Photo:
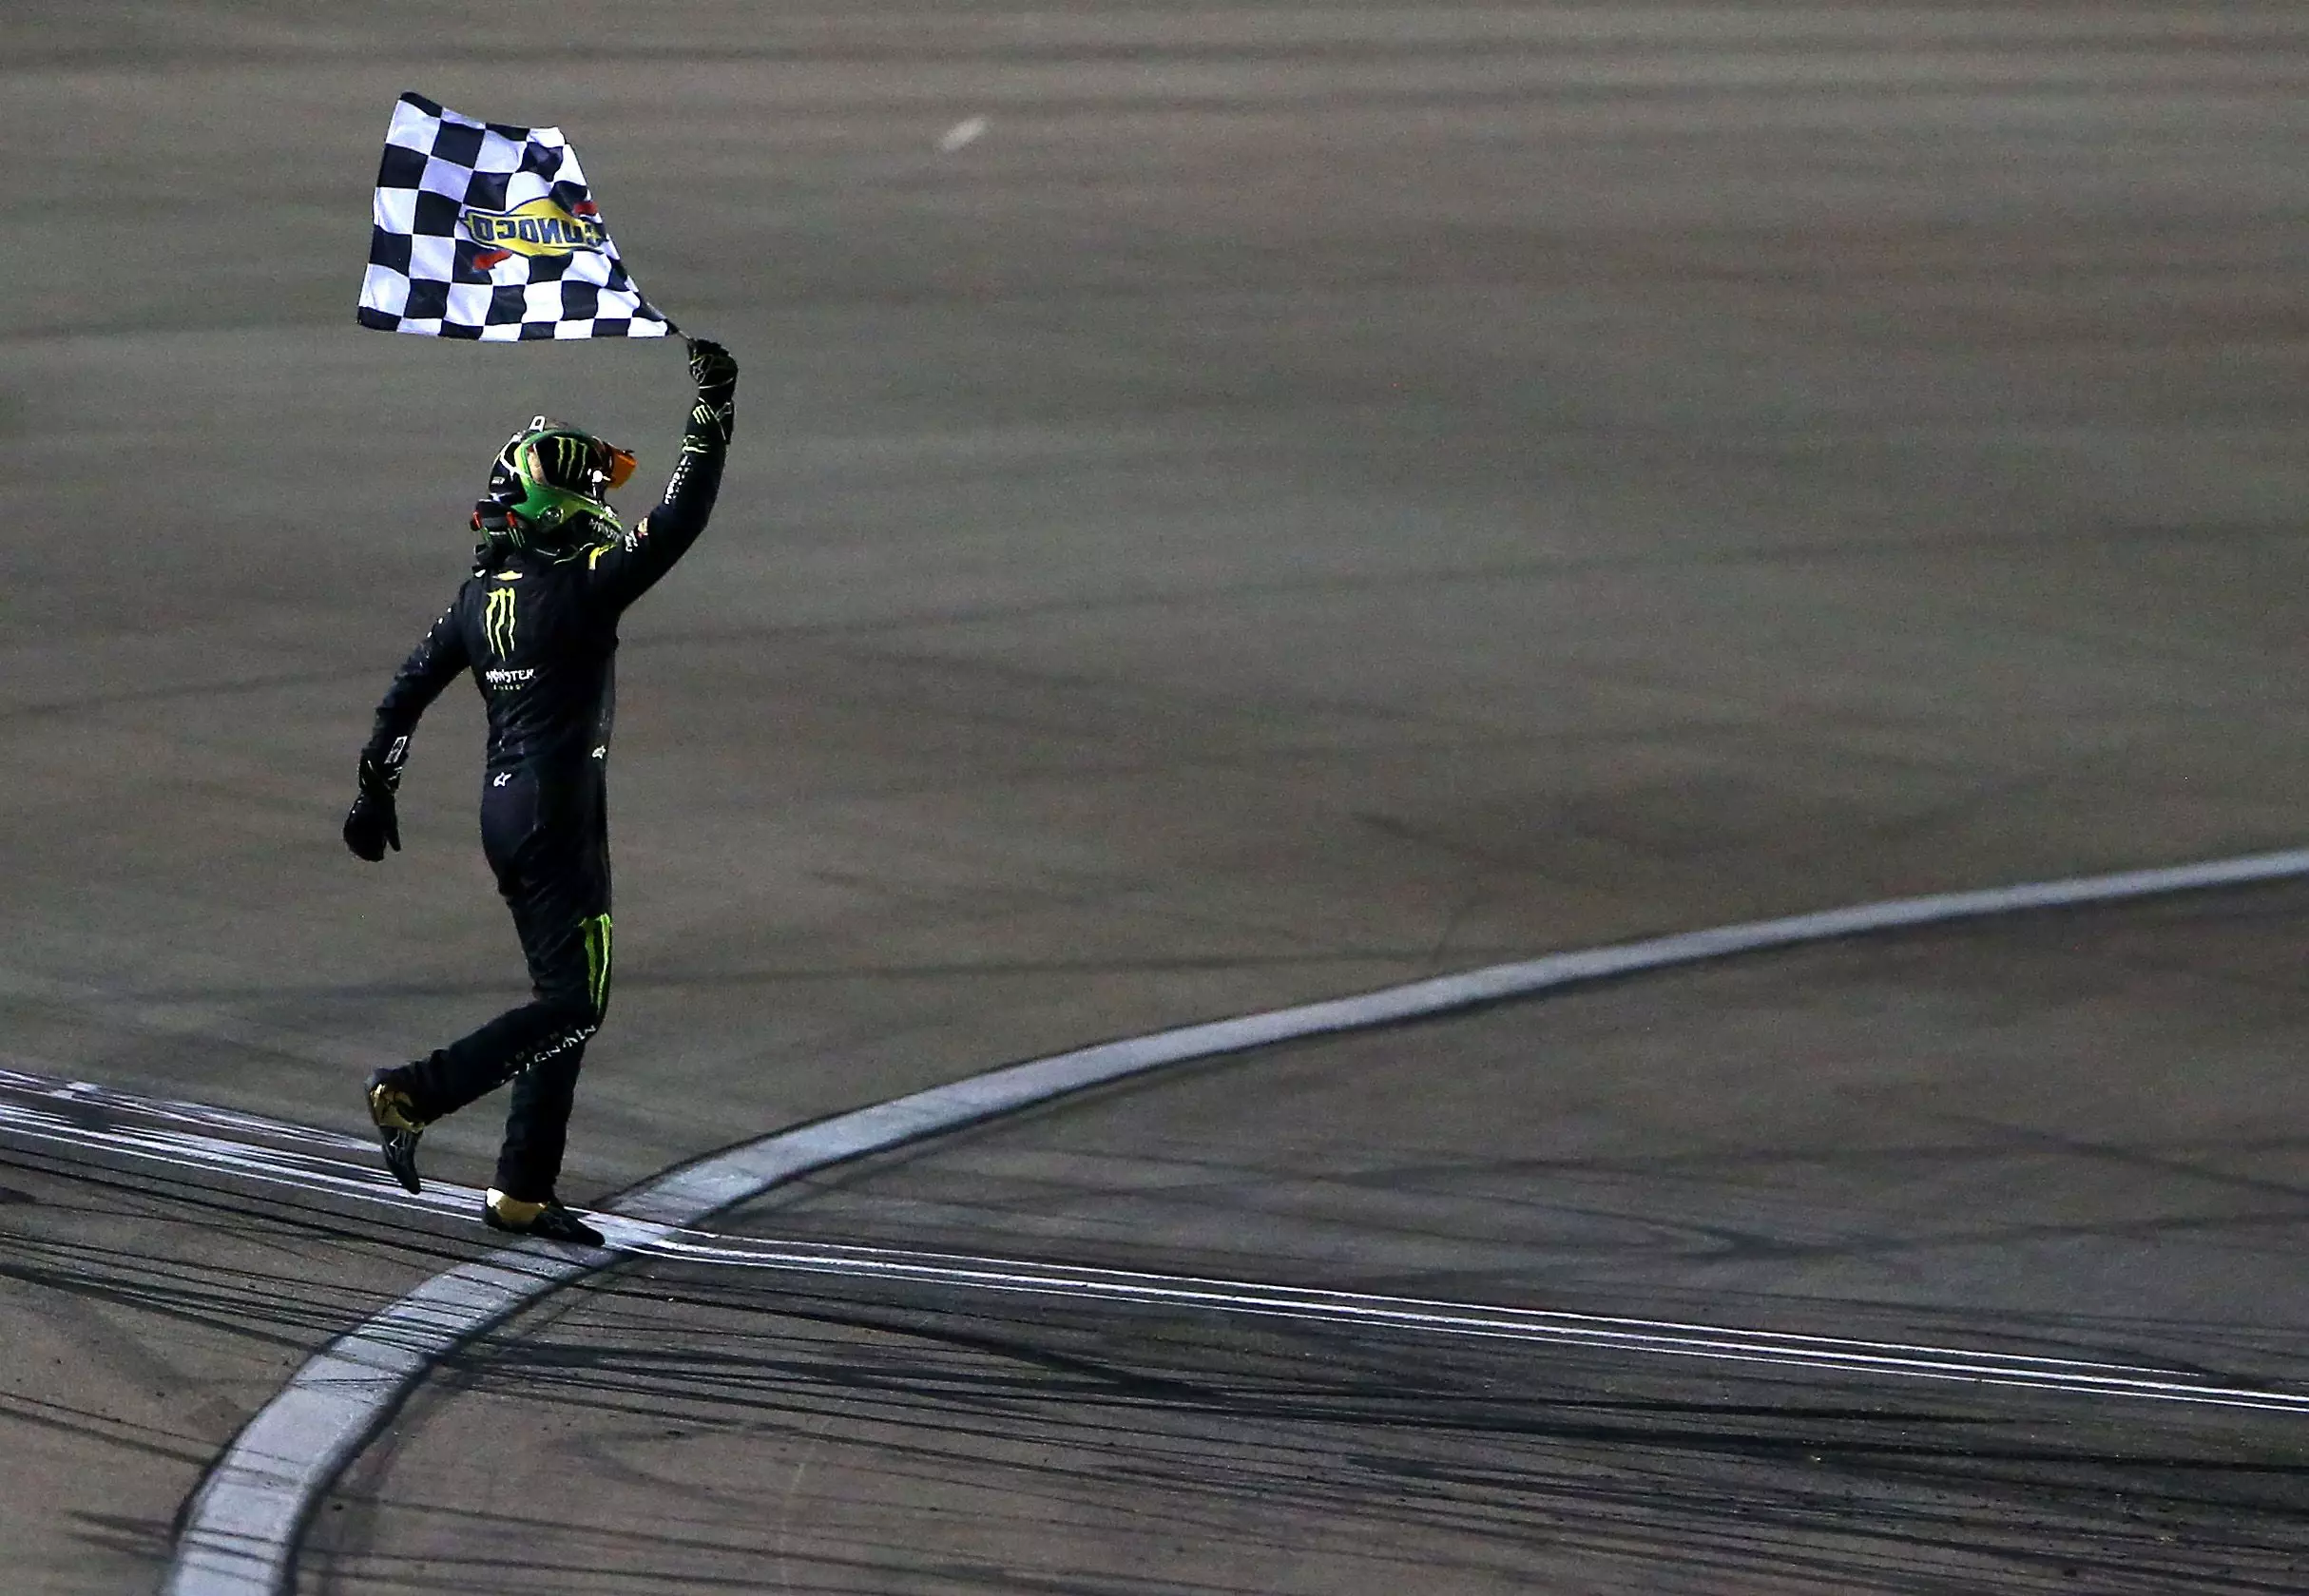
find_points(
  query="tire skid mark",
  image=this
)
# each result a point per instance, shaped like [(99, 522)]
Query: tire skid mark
[(242, 1524)]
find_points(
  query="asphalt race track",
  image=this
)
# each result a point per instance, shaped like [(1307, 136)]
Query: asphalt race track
[(1307, 499)]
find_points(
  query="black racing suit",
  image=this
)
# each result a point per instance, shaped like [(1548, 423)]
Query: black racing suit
[(539, 633)]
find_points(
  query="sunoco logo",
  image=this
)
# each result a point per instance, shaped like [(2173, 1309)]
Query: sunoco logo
[(540, 227)]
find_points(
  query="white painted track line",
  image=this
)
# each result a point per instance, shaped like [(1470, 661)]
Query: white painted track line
[(1638, 1336), (241, 1526), (41, 1108), (21, 1115)]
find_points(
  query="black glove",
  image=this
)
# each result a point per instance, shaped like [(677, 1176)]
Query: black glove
[(372, 826), (716, 374)]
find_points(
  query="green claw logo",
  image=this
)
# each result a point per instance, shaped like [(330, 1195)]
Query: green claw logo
[(497, 622), (598, 945)]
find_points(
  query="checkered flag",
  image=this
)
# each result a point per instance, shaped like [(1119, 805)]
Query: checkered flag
[(488, 230)]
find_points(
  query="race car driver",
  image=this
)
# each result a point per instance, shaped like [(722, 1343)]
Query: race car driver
[(536, 625)]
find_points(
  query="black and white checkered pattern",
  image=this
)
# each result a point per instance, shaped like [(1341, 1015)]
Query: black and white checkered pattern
[(446, 176)]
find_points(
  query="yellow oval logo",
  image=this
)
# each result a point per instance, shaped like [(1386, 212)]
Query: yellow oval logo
[(540, 227)]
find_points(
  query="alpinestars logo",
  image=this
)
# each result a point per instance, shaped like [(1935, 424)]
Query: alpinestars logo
[(497, 622), (553, 1047)]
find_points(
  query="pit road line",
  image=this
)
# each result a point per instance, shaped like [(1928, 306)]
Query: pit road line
[(242, 1524)]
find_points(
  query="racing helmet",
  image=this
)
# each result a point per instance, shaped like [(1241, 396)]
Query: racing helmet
[(548, 487)]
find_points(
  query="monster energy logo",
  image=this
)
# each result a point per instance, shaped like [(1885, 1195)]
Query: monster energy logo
[(597, 962), (570, 457), (498, 623)]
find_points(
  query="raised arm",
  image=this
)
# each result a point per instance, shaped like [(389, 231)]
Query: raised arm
[(433, 664), (622, 572)]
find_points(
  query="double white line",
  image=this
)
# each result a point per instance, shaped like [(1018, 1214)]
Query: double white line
[(185, 1135)]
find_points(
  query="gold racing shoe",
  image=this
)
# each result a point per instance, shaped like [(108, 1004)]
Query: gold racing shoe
[(394, 1113), (548, 1220)]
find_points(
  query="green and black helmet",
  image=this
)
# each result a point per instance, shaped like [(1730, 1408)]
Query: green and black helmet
[(548, 488)]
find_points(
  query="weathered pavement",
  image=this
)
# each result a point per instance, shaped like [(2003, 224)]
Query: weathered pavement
[(1309, 498)]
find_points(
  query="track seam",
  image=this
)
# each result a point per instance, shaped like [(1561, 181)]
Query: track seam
[(241, 1526)]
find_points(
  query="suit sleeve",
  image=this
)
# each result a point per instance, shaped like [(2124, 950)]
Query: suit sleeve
[(620, 572), (437, 659)]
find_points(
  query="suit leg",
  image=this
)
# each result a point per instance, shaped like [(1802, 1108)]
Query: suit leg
[(537, 1120), (573, 957), (546, 870)]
